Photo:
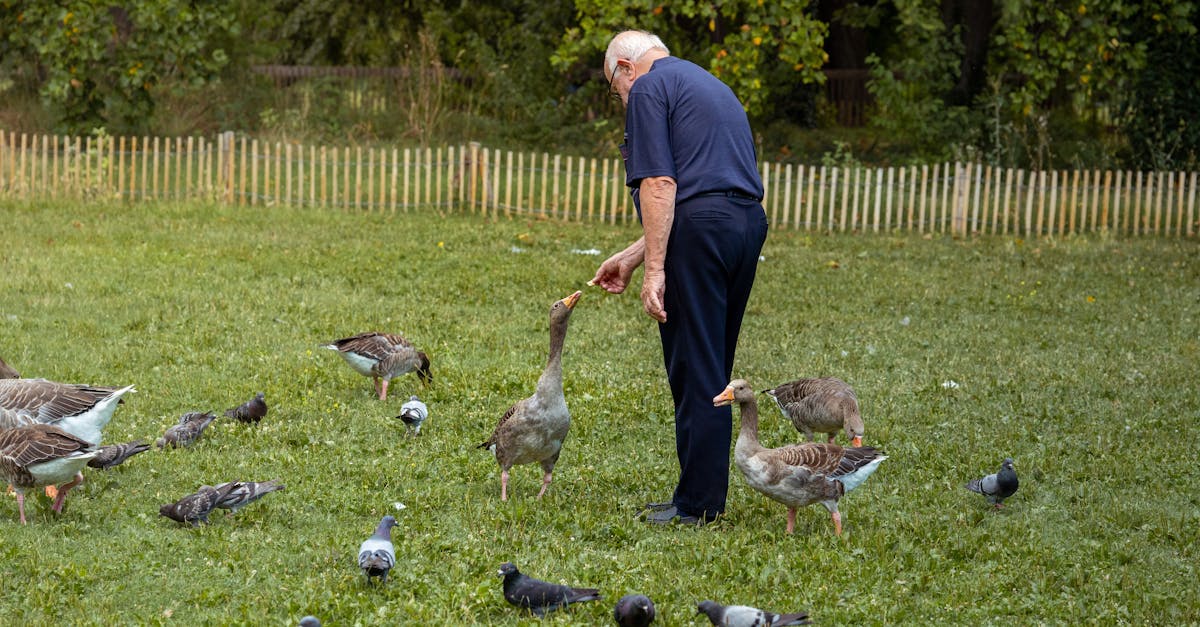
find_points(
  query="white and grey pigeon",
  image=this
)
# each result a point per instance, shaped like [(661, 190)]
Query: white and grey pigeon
[(634, 610), (746, 616), (376, 555), (413, 413), (997, 486), (187, 431), (539, 596), (238, 494)]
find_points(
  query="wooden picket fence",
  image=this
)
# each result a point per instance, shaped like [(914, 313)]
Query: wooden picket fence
[(955, 198)]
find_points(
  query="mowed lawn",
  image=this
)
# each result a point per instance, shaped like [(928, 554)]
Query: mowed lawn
[(1079, 358)]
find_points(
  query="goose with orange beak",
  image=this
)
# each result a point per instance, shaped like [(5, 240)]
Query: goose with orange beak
[(533, 429), (796, 475)]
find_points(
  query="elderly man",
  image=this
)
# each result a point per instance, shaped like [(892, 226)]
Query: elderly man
[(691, 168)]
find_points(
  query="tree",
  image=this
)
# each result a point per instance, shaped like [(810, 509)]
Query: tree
[(741, 41), (96, 64)]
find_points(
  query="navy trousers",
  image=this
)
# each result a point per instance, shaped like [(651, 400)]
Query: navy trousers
[(712, 255)]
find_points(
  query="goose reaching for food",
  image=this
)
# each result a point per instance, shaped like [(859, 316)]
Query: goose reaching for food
[(822, 405), (382, 356), (798, 474), (533, 429)]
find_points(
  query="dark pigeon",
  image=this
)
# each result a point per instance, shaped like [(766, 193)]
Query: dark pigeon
[(239, 494), (310, 621), (999, 486), (187, 431), (413, 413), (116, 454), (7, 372), (746, 616), (193, 508), (634, 610), (538, 596), (376, 555), (251, 411)]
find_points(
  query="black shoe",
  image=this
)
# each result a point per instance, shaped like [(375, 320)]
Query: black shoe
[(672, 515), (657, 507)]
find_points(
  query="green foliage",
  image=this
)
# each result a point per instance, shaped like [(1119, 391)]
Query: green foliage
[(1160, 111), (746, 40), (102, 63), (1077, 357)]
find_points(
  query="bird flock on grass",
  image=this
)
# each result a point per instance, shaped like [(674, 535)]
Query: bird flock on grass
[(50, 431)]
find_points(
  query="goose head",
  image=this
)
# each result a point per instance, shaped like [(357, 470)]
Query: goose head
[(738, 391), (560, 311)]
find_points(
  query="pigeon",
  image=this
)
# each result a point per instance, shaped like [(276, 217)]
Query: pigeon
[(413, 413), (116, 454), (7, 372), (376, 555), (999, 486), (187, 431), (251, 411), (193, 508), (238, 494), (746, 616), (310, 621), (539, 596), (634, 610)]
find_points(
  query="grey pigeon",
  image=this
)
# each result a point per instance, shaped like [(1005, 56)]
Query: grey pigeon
[(7, 372), (634, 610), (187, 431), (251, 411), (746, 616), (310, 621), (238, 494), (413, 413), (116, 454), (539, 596), (193, 508), (376, 555), (999, 486)]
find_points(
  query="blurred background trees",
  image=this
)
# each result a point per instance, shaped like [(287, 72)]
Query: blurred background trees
[(1060, 83)]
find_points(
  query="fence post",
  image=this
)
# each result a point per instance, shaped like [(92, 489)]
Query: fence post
[(225, 169)]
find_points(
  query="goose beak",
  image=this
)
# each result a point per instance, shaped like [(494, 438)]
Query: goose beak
[(572, 299), (724, 398), (857, 441)]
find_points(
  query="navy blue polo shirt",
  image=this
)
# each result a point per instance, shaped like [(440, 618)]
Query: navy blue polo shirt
[(684, 123)]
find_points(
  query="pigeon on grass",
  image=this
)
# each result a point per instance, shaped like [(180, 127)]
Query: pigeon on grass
[(413, 413), (997, 486), (539, 596), (238, 494), (376, 555), (194, 508), (746, 616), (310, 621), (634, 610), (187, 431), (116, 454), (251, 411)]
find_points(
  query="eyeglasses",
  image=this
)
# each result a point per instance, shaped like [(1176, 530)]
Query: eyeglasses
[(612, 83)]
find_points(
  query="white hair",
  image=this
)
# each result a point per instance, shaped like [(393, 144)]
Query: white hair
[(631, 45)]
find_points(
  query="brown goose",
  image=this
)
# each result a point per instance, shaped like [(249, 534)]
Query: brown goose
[(382, 356), (43, 455), (823, 405), (533, 429), (797, 474), (81, 410), (7, 372)]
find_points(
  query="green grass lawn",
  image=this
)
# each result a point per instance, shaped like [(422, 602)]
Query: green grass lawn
[(1080, 358)]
